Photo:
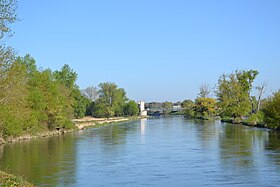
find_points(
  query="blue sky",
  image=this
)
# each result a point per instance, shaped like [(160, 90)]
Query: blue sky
[(156, 50)]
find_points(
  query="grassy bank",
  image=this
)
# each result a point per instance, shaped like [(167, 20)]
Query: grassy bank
[(245, 122), (11, 180), (79, 124), (42, 134)]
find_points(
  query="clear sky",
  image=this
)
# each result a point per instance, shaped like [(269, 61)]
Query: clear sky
[(156, 50)]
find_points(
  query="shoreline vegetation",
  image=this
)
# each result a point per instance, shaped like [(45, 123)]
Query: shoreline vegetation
[(79, 124), (237, 101), (7, 179)]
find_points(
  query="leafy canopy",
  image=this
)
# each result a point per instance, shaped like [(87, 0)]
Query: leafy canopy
[(234, 93)]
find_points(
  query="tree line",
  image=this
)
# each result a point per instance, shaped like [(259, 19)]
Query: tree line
[(234, 101), (107, 100), (32, 99)]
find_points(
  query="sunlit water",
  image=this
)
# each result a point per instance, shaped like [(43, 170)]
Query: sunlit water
[(170, 151)]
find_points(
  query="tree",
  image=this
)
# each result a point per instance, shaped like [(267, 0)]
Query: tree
[(91, 92), (205, 108), (101, 109), (131, 108), (30, 64), (234, 93), (111, 101), (113, 96), (246, 79), (204, 91), (14, 111), (80, 102), (7, 57), (107, 92), (188, 108), (271, 111), (167, 105), (67, 77), (261, 90), (49, 100), (7, 16)]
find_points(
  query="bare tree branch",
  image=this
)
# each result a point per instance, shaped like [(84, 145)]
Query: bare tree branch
[(91, 93), (261, 90), (204, 90)]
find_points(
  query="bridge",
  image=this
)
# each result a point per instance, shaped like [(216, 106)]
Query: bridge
[(158, 111)]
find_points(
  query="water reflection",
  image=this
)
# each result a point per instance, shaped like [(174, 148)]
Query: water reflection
[(207, 131), (237, 145), (272, 145), (42, 161), (151, 152), (143, 123)]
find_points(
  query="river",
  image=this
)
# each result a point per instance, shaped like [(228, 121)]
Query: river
[(167, 151)]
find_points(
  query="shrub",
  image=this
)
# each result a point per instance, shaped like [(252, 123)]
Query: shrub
[(271, 111), (255, 119)]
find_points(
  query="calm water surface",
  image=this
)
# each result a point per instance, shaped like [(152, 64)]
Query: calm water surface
[(156, 152)]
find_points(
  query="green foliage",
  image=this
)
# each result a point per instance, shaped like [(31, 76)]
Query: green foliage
[(67, 77), (11, 180), (7, 16), (80, 103), (49, 100), (205, 108), (32, 100), (167, 105), (271, 110), (102, 110), (187, 103), (234, 93), (188, 108), (131, 108), (90, 108), (256, 118), (13, 95), (111, 101)]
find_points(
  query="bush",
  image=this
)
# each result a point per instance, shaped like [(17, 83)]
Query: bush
[(131, 108), (11, 180), (271, 111), (255, 119)]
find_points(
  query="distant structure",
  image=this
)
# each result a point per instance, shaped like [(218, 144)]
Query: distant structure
[(176, 107), (141, 105)]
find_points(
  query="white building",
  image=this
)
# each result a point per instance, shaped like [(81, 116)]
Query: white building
[(141, 105)]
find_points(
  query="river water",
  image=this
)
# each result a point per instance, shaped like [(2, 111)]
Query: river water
[(170, 151)]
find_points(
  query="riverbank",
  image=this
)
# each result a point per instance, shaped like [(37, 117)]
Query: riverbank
[(246, 123), (241, 122), (79, 124), (11, 180), (35, 136), (92, 121)]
